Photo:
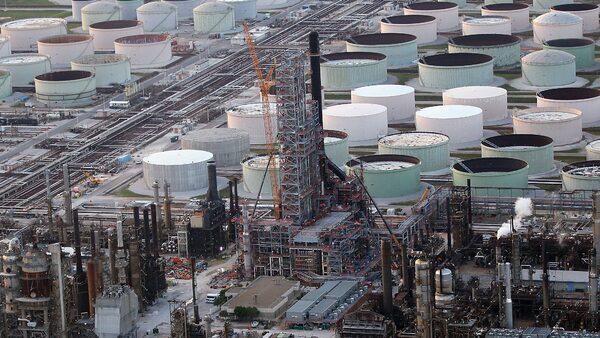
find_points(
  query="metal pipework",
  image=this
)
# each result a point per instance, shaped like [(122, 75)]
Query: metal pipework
[(315, 72), (516, 258), (155, 188), (167, 202), (545, 285), (68, 204), (91, 279), (49, 197), (147, 244), (593, 283), (596, 229), (56, 252), (424, 299), (155, 235), (247, 248), (508, 309), (386, 277)]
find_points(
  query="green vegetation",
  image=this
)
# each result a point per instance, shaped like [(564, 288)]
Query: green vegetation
[(29, 3), (466, 156), (224, 193), (403, 77), (221, 299), (71, 26), (125, 192), (15, 15), (245, 313), (569, 159), (337, 96)]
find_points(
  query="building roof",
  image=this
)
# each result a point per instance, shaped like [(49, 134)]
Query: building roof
[(317, 294), (323, 307), (557, 18), (548, 57), (263, 292), (342, 289), (301, 306)]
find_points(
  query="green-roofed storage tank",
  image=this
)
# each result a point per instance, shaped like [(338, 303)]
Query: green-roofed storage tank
[(536, 150), (387, 176), (488, 176)]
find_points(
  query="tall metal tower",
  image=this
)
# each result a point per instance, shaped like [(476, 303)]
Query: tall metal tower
[(299, 133)]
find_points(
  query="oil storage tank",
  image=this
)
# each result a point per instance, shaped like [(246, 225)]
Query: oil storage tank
[(592, 151), (158, 16), (583, 175), (336, 147), (429, 147), (400, 49), (548, 68), (76, 6), (505, 49), (253, 172), (250, 118), (517, 12), (184, 170), (349, 70), (586, 100), (536, 150), (545, 5), (99, 11), (489, 175), (229, 146), (587, 12), (66, 88), (5, 48), (424, 27), (214, 17), (128, 8), (462, 124), (387, 176), (493, 101), (563, 125), (364, 123), (185, 8), (109, 69), (399, 100), (24, 67), (25, 33), (242, 9), (62, 49), (450, 70), (146, 50), (5, 84), (105, 33), (486, 24), (446, 13), (583, 49), (557, 25)]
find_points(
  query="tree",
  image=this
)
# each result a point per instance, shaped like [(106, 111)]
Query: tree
[(221, 299), (244, 313)]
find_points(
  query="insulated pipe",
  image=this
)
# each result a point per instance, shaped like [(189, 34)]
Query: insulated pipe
[(386, 277)]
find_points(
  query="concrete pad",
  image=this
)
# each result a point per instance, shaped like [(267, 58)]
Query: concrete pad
[(520, 84)]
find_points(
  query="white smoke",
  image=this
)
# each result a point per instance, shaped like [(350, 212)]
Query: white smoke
[(523, 208)]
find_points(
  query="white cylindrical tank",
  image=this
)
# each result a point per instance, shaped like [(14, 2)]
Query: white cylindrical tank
[(400, 49), (183, 170), (450, 70), (461, 124), (586, 100), (545, 5), (214, 17), (5, 84), (349, 70), (548, 68), (557, 25), (387, 176), (517, 12), (429, 147), (146, 50), (76, 6), (158, 16), (5, 48), (487, 24), (563, 125), (185, 8), (250, 117), (253, 172), (109, 69), (444, 283), (128, 8), (587, 12), (592, 151), (399, 100), (243, 9), (424, 27), (581, 176), (493, 101), (229, 146), (105, 33), (25, 33), (99, 11), (446, 13), (66, 88), (336, 147), (364, 123), (505, 49), (24, 67), (62, 49)]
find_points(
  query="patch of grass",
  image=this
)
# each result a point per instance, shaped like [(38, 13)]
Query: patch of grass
[(593, 130), (569, 159), (466, 156), (71, 26), (223, 193), (522, 99), (403, 77), (16, 15), (337, 96), (29, 3), (125, 192)]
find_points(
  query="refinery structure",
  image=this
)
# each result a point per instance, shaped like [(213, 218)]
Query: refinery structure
[(281, 168)]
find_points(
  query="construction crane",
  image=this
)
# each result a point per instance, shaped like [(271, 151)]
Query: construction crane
[(265, 82)]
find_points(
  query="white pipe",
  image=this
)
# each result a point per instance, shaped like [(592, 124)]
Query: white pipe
[(508, 312)]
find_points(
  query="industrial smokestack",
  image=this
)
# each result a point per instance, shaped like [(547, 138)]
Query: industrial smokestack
[(147, 244), (386, 277), (155, 188), (593, 283), (91, 279), (136, 221), (56, 252), (213, 191), (112, 260), (449, 226), (516, 257), (315, 72), (82, 294), (167, 202), (155, 236), (508, 311), (68, 204)]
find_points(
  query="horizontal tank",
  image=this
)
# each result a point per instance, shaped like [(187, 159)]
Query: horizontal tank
[(400, 49), (429, 147), (487, 24), (493, 101), (250, 117), (488, 174), (563, 125), (229, 146), (5, 84), (158, 17), (517, 12), (62, 49), (185, 8), (214, 17), (253, 175), (242, 9), (24, 67), (450, 70), (183, 170), (446, 13), (461, 124), (145, 51), (536, 150), (584, 50), (424, 27), (25, 33), (345, 71), (548, 68), (336, 147), (505, 49), (105, 33), (586, 100), (557, 25), (69, 88), (364, 123), (387, 176), (581, 176), (399, 100), (587, 12), (109, 69), (592, 151), (99, 11)]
